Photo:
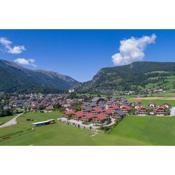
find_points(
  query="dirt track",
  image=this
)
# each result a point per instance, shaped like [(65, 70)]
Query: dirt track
[(11, 122)]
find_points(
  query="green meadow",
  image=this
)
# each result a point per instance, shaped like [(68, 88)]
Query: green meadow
[(157, 100), (5, 119), (131, 130)]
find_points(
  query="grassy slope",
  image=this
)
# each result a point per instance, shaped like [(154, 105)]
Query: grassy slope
[(150, 130), (51, 135), (131, 131), (169, 84), (56, 134)]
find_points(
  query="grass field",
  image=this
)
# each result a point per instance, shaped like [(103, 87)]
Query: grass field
[(5, 119), (156, 100), (149, 130), (131, 131), (56, 134)]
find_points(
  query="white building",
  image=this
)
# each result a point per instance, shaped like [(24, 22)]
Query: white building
[(172, 111), (71, 90)]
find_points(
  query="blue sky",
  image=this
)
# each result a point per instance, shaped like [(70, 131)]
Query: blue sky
[(81, 53)]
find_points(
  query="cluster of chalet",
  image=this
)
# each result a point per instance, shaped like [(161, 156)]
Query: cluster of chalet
[(45, 103), (153, 109), (50, 102), (100, 110), (37, 102), (97, 109)]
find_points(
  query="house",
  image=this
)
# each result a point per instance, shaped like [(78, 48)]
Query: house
[(141, 111), (49, 108), (97, 110), (100, 118), (43, 123), (86, 107), (123, 101), (34, 107), (88, 116), (79, 115), (160, 111), (152, 105), (125, 108), (99, 101), (115, 107), (109, 111), (119, 113), (166, 105), (69, 113)]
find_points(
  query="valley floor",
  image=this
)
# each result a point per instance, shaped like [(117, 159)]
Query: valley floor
[(130, 131)]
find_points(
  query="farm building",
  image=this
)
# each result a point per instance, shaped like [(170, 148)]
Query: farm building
[(172, 113), (43, 123)]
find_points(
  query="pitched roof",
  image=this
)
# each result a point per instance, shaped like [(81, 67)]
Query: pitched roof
[(109, 110), (120, 112), (126, 107), (79, 114), (101, 117), (89, 115), (69, 112), (98, 109)]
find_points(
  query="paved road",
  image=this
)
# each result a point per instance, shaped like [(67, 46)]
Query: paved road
[(113, 122), (11, 122)]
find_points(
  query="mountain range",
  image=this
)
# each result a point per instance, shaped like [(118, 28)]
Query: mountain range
[(136, 76), (15, 78), (133, 77)]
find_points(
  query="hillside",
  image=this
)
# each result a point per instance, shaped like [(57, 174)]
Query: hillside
[(133, 77), (15, 78)]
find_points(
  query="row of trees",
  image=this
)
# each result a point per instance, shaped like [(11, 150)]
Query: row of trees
[(5, 112)]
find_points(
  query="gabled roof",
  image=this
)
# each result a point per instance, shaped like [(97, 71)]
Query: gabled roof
[(109, 110), (89, 115), (69, 112), (79, 114), (101, 117), (160, 109), (126, 107), (98, 109), (115, 107), (95, 99), (120, 112), (93, 104)]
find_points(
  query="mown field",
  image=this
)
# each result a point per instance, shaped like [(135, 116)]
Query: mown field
[(131, 131), (156, 100)]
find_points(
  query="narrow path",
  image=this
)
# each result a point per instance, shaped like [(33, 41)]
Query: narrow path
[(11, 122), (94, 134), (113, 122)]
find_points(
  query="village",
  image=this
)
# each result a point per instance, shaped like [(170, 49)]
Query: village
[(15, 103), (84, 111), (101, 112)]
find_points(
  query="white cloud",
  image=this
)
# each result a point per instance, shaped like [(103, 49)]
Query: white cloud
[(16, 49), (132, 49), (7, 44), (25, 62)]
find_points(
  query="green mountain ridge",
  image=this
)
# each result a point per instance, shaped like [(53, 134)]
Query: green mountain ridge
[(133, 77), (138, 76), (15, 78)]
